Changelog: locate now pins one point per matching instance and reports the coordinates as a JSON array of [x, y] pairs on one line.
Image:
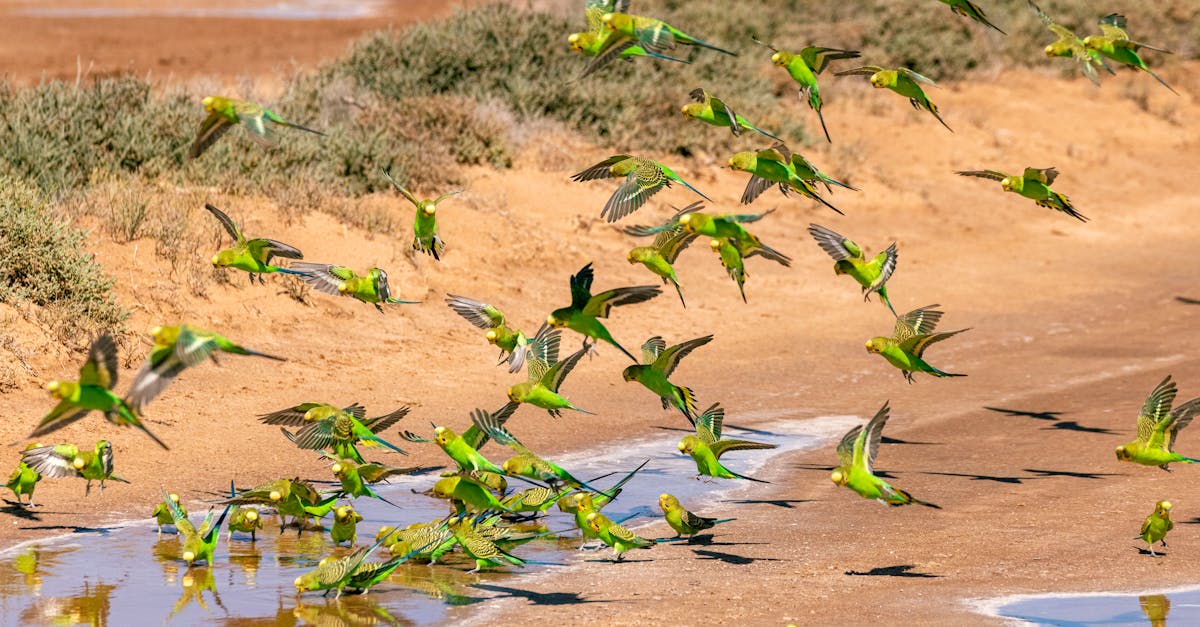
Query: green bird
[[591, 42], [585, 310], [1156, 526], [512, 342], [850, 259], [772, 167], [643, 179], [289, 497], [659, 257], [341, 431], [732, 261], [616, 536], [356, 477], [1033, 184], [593, 501], [658, 362], [345, 525], [333, 574], [464, 449], [425, 230], [903, 81], [707, 447], [198, 544], [339, 280], [804, 69], [526, 463], [244, 520], [913, 334], [1115, 44], [255, 255], [1158, 426], [162, 512], [93, 392], [177, 348], [729, 226], [485, 552], [223, 113], [467, 494], [66, 460], [370, 574], [546, 375], [970, 10], [535, 500], [856, 452], [684, 522], [24, 479], [307, 413], [1070, 46], [713, 111], [650, 34]]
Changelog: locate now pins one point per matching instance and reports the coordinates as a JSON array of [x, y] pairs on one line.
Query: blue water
[[1179, 607]]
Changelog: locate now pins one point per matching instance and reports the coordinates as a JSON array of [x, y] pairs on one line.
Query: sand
[[1073, 321]]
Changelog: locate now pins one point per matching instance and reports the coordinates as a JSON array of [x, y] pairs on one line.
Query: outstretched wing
[[100, 369], [865, 70], [381, 423], [403, 192], [476, 437], [476, 312], [265, 249], [875, 434], [1156, 408], [602, 170], [1045, 176], [323, 277], [52, 461], [916, 77], [984, 174], [227, 222], [721, 447], [1182, 417], [581, 287], [559, 371], [845, 448], [917, 322], [646, 180], [918, 343], [652, 348], [211, 129], [817, 59], [601, 304], [833, 243], [669, 359], [543, 351], [708, 425], [493, 427], [673, 241]]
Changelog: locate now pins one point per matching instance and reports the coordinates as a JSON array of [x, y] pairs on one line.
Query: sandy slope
[[1065, 317]]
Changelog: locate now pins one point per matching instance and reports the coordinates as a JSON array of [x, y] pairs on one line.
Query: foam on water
[[126, 574]]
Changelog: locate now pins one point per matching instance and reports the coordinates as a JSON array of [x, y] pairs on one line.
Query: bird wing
[[601, 304], [1113, 26], [886, 261], [559, 371], [543, 351], [1044, 176], [265, 249], [610, 50], [476, 312], [380, 423], [708, 425], [916, 77], [646, 180], [865, 70], [211, 129], [845, 448], [602, 170], [193, 346], [100, 369], [874, 430], [231, 227], [476, 437], [52, 461], [374, 473], [834, 244], [817, 59], [743, 218], [63, 414], [994, 175], [719, 106], [918, 343], [1182, 417], [403, 192], [323, 277], [668, 360], [652, 348], [673, 241], [494, 428], [1156, 408], [721, 447], [292, 416], [316, 435], [755, 188], [581, 287], [917, 322]]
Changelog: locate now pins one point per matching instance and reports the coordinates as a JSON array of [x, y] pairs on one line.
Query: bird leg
[[379, 308], [88, 488], [908, 376], [1152, 553]]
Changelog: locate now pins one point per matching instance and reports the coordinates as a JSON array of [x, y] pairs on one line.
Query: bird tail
[[688, 39], [687, 398], [116, 478], [747, 478], [292, 272], [651, 53], [379, 440], [939, 373], [932, 108], [132, 418], [1063, 204], [582, 411], [1189, 460], [817, 197], [832, 181], [238, 350], [679, 290], [698, 192], [908, 498], [974, 12], [302, 128], [622, 349], [397, 301], [821, 117], [882, 291]]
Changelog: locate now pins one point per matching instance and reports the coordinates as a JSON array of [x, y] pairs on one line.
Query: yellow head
[[275, 495], [593, 521], [1163, 508], [872, 345], [877, 80], [689, 111], [77, 463], [507, 466], [189, 557], [491, 336], [208, 103], [57, 389], [337, 469], [607, 18], [715, 245], [443, 435], [553, 321], [667, 502], [687, 444], [1050, 51], [174, 497], [251, 515], [839, 477], [343, 512], [1123, 454], [1092, 41], [744, 161], [777, 59]]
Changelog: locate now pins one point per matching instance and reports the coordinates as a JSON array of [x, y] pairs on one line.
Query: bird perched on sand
[[223, 113], [66, 460], [1158, 426], [1034, 184], [616, 536], [732, 260], [425, 229], [591, 42], [970, 10], [162, 512], [1156, 526], [684, 522], [254, 255], [913, 333], [713, 111], [643, 179], [546, 374], [24, 479], [903, 81], [850, 259], [1115, 44], [198, 544], [584, 313], [511, 341], [804, 67], [650, 34], [93, 392], [707, 447], [856, 453], [175, 349], [1070, 46], [339, 280], [774, 167], [658, 362], [660, 256]]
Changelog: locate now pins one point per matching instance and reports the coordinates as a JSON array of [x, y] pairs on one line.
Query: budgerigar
[[224, 113], [546, 374], [345, 525], [659, 256], [425, 228], [903, 81], [850, 259], [913, 333], [342, 431], [1034, 184], [24, 479], [66, 460], [254, 255], [856, 454], [970, 10], [1156, 526], [162, 513], [804, 67], [584, 313], [525, 463], [774, 167], [616, 536], [511, 341], [733, 262], [1115, 44], [711, 110], [707, 447], [658, 362], [1069, 45], [591, 42], [1158, 426], [198, 544], [333, 573], [650, 34], [643, 179], [685, 523], [339, 280]]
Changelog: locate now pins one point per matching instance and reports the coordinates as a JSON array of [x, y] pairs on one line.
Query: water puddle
[[283, 10], [129, 575], [1182, 607]]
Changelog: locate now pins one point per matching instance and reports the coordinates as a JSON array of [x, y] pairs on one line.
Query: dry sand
[[1077, 319]]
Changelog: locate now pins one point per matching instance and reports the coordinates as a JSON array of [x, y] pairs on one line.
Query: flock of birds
[[483, 507]]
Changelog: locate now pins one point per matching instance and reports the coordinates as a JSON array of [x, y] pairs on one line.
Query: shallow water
[[1173, 607], [129, 575], [282, 10]]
